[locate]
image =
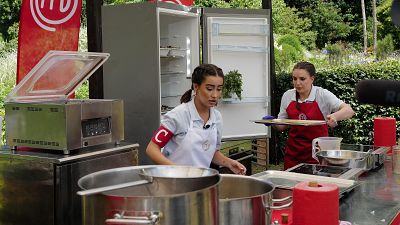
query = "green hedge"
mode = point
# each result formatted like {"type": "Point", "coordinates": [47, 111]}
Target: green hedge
{"type": "Point", "coordinates": [342, 81]}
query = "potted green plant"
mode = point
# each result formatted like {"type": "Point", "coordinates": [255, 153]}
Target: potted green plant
{"type": "Point", "coordinates": [232, 84]}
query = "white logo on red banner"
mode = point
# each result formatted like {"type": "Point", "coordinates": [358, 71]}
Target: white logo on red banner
{"type": "Point", "coordinates": [67, 9]}
{"type": "Point", "coordinates": [158, 134]}
{"type": "Point", "coordinates": [173, 1]}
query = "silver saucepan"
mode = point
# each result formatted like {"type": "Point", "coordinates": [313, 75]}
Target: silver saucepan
{"type": "Point", "coordinates": [351, 159]}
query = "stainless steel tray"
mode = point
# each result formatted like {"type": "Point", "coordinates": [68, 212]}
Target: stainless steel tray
{"type": "Point", "coordinates": [287, 180]}
{"type": "Point", "coordinates": [327, 171]}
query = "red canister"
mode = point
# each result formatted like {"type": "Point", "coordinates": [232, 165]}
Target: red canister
{"type": "Point", "coordinates": [315, 204]}
{"type": "Point", "coordinates": [384, 131]}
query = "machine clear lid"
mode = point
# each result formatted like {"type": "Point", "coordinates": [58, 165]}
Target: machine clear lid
{"type": "Point", "coordinates": [56, 76]}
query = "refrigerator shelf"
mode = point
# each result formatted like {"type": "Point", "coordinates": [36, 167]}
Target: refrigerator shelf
{"type": "Point", "coordinates": [245, 100]}
{"type": "Point", "coordinates": [233, 48]}
{"type": "Point", "coordinates": [171, 96]}
{"type": "Point", "coordinates": [172, 73]}
{"type": "Point", "coordinates": [241, 29]}
{"type": "Point", "coordinates": [173, 53]}
{"type": "Point", "coordinates": [164, 52]}
{"type": "Point", "coordinates": [171, 57]}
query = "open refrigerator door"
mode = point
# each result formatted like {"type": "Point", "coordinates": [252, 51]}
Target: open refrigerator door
{"type": "Point", "coordinates": [179, 53]}
{"type": "Point", "coordinates": [239, 40]}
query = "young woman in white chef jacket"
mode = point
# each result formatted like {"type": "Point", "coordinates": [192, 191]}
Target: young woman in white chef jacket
{"type": "Point", "coordinates": [190, 134]}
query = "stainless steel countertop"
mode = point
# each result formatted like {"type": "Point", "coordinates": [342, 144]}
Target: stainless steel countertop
{"type": "Point", "coordinates": [58, 157]}
{"type": "Point", "coordinates": [376, 201]}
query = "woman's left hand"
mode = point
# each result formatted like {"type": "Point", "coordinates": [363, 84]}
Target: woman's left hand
{"type": "Point", "coordinates": [237, 167]}
{"type": "Point", "coordinates": [331, 120]}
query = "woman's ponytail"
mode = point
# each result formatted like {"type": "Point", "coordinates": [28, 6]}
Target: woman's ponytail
{"type": "Point", "coordinates": [187, 96]}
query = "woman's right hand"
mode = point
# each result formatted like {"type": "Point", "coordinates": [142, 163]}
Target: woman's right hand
{"type": "Point", "coordinates": [237, 167]}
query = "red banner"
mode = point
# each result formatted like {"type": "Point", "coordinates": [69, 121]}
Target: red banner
{"type": "Point", "coordinates": [46, 25]}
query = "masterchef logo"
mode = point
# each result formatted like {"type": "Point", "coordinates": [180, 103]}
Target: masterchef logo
{"type": "Point", "coordinates": [180, 2]}
{"type": "Point", "coordinates": [49, 13]}
{"type": "Point", "coordinates": [174, 1]}
{"type": "Point", "coordinates": [302, 116]}
{"type": "Point", "coordinates": [162, 136]}
{"type": "Point", "coordinates": [46, 25]}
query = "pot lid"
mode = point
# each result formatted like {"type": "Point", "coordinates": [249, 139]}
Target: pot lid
{"type": "Point", "coordinates": [57, 75]}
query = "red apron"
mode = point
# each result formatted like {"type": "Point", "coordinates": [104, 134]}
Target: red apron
{"type": "Point", "coordinates": [298, 146]}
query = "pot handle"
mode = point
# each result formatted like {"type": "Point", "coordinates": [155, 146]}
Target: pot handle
{"type": "Point", "coordinates": [112, 187]}
{"type": "Point", "coordinates": [153, 218]}
{"type": "Point", "coordinates": [281, 200]}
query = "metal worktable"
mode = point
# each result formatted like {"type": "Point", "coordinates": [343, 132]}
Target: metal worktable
{"type": "Point", "coordinates": [376, 201]}
{"type": "Point", "coordinates": [38, 187]}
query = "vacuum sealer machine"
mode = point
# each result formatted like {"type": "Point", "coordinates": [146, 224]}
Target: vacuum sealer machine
{"type": "Point", "coordinates": [39, 114]}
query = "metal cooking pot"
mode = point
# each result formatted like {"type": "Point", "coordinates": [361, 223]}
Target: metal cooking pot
{"type": "Point", "coordinates": [246, 200]}
{"type": "Point", "coordinates": [346, 158]}
{"type": "Point", "coordinates": [176, 195]}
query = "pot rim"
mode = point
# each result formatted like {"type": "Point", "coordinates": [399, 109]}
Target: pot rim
{"type": "Point", "coordinates": [361, 155]}
{"type": "Point", "coordinates": [136, 169]}
{"type": "Point", "coordinates": [249, 178]}
{"type": "Point", "coordinates": [107, 193]}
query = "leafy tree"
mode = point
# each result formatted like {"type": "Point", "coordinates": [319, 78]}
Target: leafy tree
{"type": "Point", "coordinates": [288, 51]}
{"type": "Point", "coordinates": [386, 25]}
{"type": "Point", "coordinates": [286, 20]}
{"type": "Point", "coordinates": [211, 3]}
{"type": "Point", "coordinates": [384, 47]}
{"type": "Point", "coordinates": [349, 11]}
{"type": "Point", "coordinates": [245, 4]}
{"type": "Point", "coordinates": [9, 15]}
{"type": "Point", "coordinates": [328, 23]}
{"type": "Point", "coordinates": [301, 4]}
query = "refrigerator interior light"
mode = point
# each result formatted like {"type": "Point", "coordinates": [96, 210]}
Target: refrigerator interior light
{"type": "Point", "coordinates": [188, 54]}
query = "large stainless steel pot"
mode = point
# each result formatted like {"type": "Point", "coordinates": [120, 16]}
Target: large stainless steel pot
{"type": "Point", "coordinates": [178, 195]}
{"type": "Point", "coordinates": [246, 200]}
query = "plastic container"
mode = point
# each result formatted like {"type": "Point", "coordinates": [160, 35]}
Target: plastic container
{"type": "Point", "coordinates": [396, 159]}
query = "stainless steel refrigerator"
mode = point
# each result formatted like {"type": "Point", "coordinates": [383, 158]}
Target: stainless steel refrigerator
{"type": "Point", "coordinates": [155, 46]}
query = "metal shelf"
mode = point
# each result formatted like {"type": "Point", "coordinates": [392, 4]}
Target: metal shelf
{"type": "Point", "coordinates": [239, 29]}
{"type": "Point", "coordinates": [233, 48]}
{"type": "Point", "coordinates": [170, 96]}
{"type": "Point", "coordinates": [244, 100]}
{"type": "Point", "coordinates": [173, 73]}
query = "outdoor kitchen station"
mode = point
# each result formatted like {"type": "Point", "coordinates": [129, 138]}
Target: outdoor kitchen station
{"type": "Point", "coordinates": [53, 140]}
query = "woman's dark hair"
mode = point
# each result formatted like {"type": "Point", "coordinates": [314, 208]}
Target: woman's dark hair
{"type": "Point", "coordinates": [310, 68]}
{"type": "Point", "coordinates": [199, 75]}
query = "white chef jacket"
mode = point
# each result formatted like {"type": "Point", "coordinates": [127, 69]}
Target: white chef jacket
{"type": "Point", "coordinates": [327, 101]}
{"type": "Point", "coordinates": [178, 122]}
